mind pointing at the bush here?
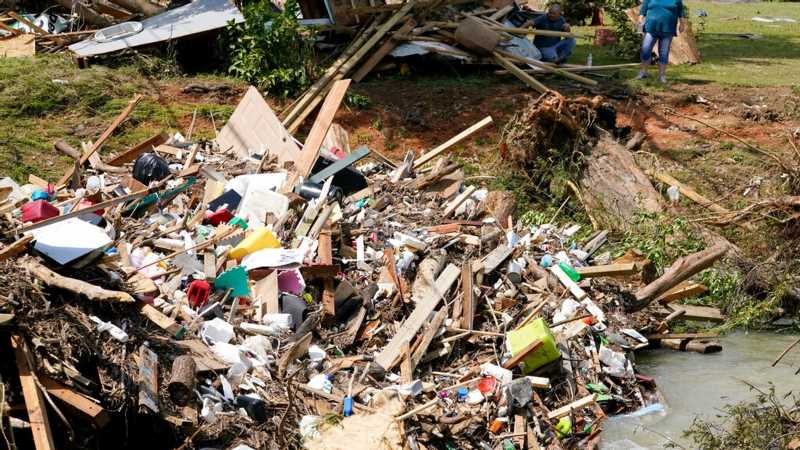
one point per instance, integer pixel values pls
(270, 49)
(628, 40)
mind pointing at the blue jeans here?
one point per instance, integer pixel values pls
(649, 42)
(559, 52)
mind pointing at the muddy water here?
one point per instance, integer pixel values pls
(695, 385)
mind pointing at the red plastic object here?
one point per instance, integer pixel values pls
(198, 293)
(86, 204)
(221, 216)
(487, 384)
(38, 211)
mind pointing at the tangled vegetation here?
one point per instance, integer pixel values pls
(763, 423)
(270, 49)
(628, 40)
(661, 238)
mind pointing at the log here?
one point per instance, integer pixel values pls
(614, 188)
(91, 291)
(84, 12)
(182, 380)
(680, 270)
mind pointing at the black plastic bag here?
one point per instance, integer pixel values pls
(150, 167)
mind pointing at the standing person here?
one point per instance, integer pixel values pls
(553, 48)
(661, 23)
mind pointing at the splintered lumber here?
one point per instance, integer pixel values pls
(683, 290)
(15, 248)
(34, 400)
(682, 269)
(573, 287)
(383, 50)
(610, 270)
(310, 152)
(462, 197)
(162, 320)
(319, 85)
(143, 147)
(91, 291)
(438, 151)
(77, 401)
(519, 73)
(692, 312)
(304, 107)
(265, 293)
(391, 352)
(566, 410)
(427, 338)
(547, 68)
(103, 137)
(182, 380)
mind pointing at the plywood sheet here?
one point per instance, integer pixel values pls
(18, 46)
(254, 127)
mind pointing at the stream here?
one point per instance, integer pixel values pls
(698, 385)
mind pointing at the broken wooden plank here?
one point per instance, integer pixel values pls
(34, 400)
(427, 337)
(163, 321)
(143, 147)
(77, 401)
(104, 137)
(566, 410)
(496, 257)
(390, 353)
(438, 151)
(265, 293)
(522, 354)
(15, 248)
(609, 270)
(456, 202)
(693, 312)
(519, 73)
(683, 290)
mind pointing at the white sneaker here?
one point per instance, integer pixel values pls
(641, 76)
(662, 78)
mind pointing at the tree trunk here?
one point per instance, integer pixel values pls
(614, 188)
(140, 6)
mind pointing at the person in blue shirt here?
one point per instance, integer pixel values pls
(662, 20)
(553, 48)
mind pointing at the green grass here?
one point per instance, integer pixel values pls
(773, 60)
(47, 98)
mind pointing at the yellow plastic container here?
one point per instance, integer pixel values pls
(258, 239)
(520, 338)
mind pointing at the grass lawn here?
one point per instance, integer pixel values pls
(773, 60)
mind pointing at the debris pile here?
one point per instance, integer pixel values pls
(259, 292)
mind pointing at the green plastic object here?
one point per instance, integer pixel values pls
(235, 279)
(239, 222)
(571, 273)
(522, 337)
(508, 445)
(564, 427)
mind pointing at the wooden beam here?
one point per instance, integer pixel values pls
(610, 270)
(143, 147)
(427, 337)
(516, 359)
(566, 410)
(77, 401)
(34, 400)
(521, 74)
(438, 151)
(683, 290)
(690, 193)
(390, 353)
(161, 320)
(103, 137)
(693, 312)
